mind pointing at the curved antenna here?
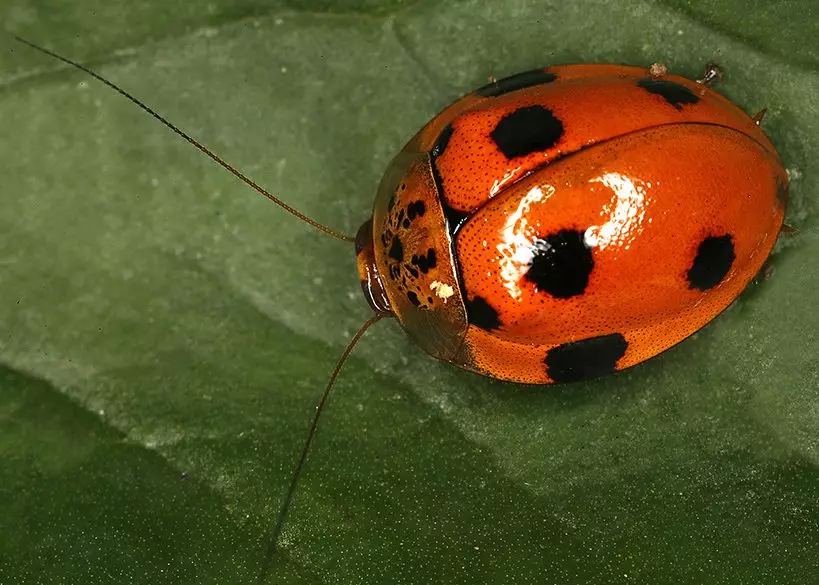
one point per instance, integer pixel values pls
(244, 178)
(291, 490)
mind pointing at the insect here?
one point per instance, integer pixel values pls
(572, 221)
(561, 224)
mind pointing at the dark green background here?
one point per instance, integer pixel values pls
(164, 331)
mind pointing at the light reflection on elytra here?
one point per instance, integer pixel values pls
(624, 214)
(624, 220)
(517, 246)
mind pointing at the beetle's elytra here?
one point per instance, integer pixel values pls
(572, 221)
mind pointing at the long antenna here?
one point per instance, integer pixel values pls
(291, 490)
(252, 184)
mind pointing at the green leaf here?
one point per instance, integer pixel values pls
(165, 332)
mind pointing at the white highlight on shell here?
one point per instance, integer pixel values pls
(517, 238)
(625, 212)
(497, 185)
(441, 289)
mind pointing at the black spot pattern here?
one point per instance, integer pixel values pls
(425, 262)
(415, 209)
(481, 314)
(714, 258)
(404, 271)
(675, 94)
(396, 251)
(527, 130)
(516, 82)
(587, 358)
(561, 264)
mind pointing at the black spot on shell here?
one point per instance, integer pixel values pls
(441, 142)
(396, 251)
(516, 82)
(425, 262)
(416, 209)
(527, 130)
(413, 298)
(675, 94)
(714, 258)
(481, 314)
(587, 358)
(561, 264)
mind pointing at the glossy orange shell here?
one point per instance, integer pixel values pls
(580, 219)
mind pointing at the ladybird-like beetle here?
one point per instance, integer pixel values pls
(560, 224)
(571, 221)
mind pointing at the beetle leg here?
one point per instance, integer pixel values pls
(712, 73)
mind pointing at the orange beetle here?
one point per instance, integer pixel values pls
(560, 224)
(565, 222)
(572, 221)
